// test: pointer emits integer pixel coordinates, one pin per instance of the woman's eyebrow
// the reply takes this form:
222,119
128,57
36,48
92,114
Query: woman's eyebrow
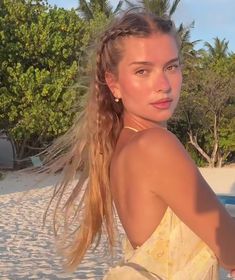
172,61
176,59
141,62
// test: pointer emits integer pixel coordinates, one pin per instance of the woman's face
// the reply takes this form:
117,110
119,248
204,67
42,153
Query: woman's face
149,78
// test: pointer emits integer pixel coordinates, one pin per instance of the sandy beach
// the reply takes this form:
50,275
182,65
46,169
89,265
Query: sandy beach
27,251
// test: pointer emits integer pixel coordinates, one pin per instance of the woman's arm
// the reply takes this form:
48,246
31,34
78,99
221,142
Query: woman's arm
171,174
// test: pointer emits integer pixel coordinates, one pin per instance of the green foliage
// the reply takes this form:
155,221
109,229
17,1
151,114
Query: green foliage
40,53
219,50
197,158
44,66
207,106
89,9
158,7
38,102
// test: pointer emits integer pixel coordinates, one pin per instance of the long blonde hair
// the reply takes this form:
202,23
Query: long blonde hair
88,146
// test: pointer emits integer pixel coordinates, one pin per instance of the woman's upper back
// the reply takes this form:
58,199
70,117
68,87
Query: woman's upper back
151,170
136,205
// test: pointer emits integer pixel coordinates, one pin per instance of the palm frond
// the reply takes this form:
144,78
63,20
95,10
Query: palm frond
118,7
174,7
84,9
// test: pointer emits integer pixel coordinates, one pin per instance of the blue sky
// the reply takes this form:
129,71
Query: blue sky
213,18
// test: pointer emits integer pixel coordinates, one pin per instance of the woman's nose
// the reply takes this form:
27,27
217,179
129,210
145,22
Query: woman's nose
162,83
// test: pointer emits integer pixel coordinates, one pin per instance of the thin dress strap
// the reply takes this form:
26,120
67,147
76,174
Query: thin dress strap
136,130
131,128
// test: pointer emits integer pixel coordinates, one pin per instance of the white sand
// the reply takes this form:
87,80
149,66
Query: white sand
18,181
27,251
221,180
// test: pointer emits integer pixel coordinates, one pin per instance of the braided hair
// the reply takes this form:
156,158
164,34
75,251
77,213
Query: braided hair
88,146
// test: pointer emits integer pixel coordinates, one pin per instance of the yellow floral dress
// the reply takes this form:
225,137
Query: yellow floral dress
173,252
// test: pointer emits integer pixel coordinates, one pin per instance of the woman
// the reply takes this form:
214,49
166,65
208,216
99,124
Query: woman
175,226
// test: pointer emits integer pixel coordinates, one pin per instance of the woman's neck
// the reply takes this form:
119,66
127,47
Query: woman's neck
137,124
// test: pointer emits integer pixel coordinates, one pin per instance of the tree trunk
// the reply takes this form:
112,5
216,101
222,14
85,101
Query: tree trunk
22,148
214,155
221,159
193,141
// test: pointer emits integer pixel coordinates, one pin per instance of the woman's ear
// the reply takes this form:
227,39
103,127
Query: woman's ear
112,83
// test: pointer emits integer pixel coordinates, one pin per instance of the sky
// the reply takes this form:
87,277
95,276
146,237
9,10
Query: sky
213,18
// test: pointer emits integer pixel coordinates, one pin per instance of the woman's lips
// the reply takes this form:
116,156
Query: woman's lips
162,105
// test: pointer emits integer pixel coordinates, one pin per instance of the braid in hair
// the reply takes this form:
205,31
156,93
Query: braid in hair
104,96
90,145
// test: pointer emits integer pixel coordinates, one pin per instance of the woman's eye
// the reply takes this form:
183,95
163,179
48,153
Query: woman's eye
141,72
173,67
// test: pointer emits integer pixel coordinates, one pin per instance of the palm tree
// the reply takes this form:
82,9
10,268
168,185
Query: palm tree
88,8
159,7
187,46
220,48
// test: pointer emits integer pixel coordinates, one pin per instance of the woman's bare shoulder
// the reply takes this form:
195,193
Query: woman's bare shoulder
161,135
159,163
155,151
154,142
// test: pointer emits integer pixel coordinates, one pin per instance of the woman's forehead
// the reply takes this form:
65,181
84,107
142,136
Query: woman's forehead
155,47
